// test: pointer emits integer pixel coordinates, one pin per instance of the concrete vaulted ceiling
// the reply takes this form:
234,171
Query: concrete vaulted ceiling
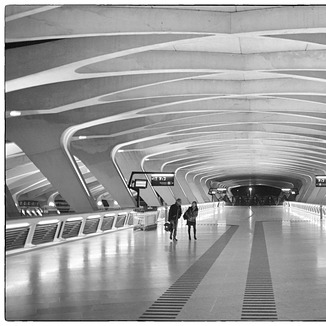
228,94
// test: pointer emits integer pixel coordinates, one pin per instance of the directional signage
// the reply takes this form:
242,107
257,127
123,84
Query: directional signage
162,179
320,180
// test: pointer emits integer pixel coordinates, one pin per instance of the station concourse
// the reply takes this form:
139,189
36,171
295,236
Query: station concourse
248,263
113,112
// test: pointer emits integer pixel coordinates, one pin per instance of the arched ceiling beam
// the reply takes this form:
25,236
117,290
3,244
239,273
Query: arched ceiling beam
112,20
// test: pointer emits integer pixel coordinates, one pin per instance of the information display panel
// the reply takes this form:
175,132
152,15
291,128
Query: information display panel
140,183
162,179
212,191
320,180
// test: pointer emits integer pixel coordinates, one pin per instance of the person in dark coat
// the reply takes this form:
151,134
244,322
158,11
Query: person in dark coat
174,215
191,214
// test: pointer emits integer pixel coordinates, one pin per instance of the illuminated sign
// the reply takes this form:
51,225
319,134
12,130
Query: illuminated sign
140,183
212,191
162,179
320,180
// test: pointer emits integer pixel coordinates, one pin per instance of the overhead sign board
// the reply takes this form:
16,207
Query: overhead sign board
320,180
162,179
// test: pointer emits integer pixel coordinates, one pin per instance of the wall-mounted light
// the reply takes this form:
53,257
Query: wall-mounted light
19,225
74,219
47,222
15,113
93,216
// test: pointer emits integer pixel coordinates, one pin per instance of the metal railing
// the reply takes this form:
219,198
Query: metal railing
34,232
315,209
27,233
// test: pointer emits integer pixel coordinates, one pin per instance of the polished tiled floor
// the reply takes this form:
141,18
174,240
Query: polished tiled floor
125,275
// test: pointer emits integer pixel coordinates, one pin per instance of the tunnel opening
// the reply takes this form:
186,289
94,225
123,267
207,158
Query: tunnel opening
257,195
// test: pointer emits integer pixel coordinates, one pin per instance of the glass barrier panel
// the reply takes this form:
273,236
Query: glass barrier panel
107,222
120,221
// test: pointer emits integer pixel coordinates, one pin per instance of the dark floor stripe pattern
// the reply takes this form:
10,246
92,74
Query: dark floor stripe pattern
258,302
170,303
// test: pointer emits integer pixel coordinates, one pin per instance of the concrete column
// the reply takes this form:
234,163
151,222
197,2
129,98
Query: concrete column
201,194
59,171
102,167
40,141
131,161
178,192
165,192
194,188
317,196
182,189
204,189
11,209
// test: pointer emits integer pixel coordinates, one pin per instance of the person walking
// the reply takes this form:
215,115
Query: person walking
191,214
174,215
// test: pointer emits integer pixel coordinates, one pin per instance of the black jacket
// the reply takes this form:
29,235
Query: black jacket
174,212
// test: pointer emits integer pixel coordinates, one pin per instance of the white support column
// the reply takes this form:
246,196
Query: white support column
101,166
40,142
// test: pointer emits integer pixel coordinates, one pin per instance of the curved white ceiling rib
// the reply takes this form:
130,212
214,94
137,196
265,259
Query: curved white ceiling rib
228,93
